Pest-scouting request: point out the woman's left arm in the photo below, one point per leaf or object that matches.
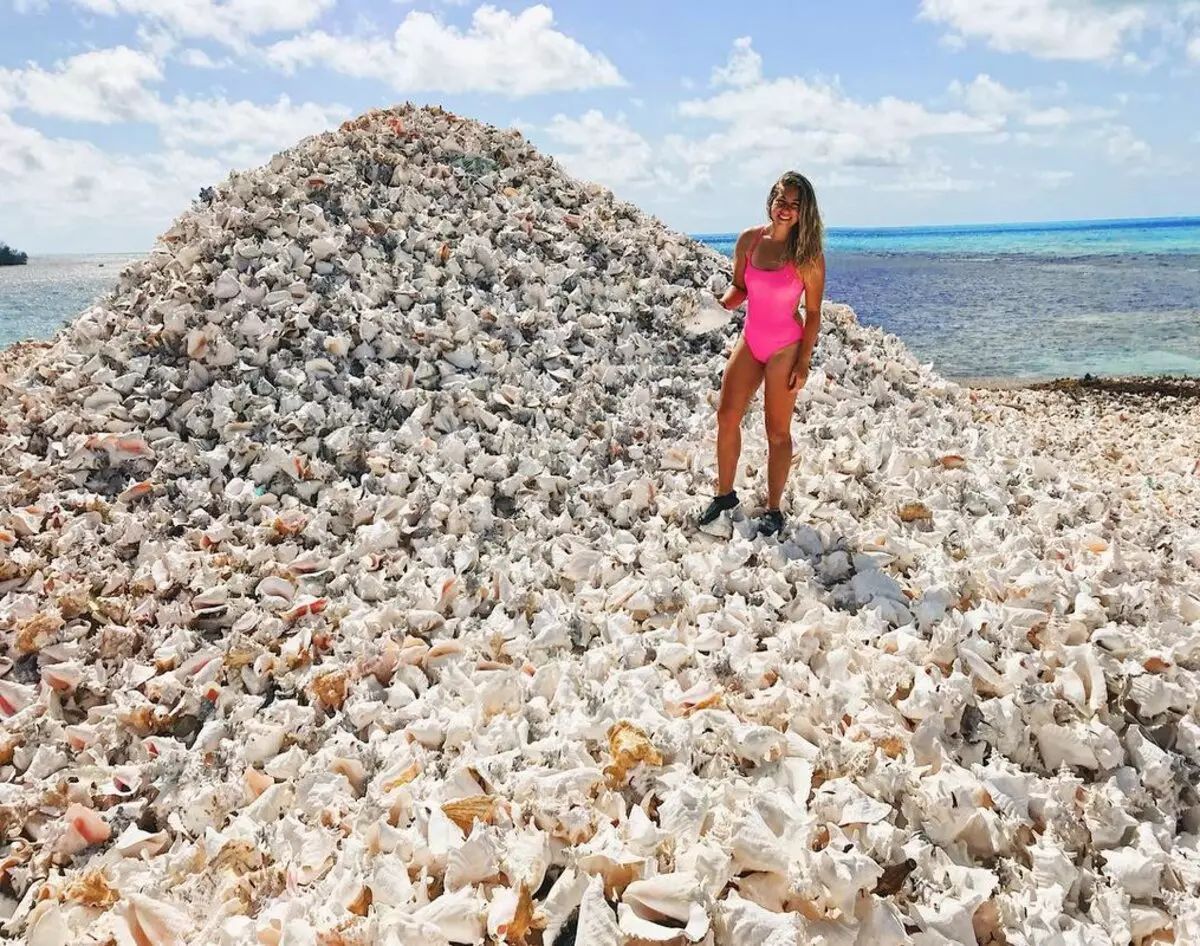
(814, 291)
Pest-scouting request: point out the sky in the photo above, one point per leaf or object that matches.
(114, 113)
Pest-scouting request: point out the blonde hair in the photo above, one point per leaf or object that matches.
(806, 240)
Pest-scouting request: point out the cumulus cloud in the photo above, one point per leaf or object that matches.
(218, 123)
(106, 86)
(199, 59)
(1124, 147)
(233, 22)
(767, 118)
(501, 52)
(609, 151)
(114, 85)
(988, 98)
(58, 191)
(1084, 30)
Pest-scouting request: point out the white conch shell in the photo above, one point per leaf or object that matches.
(646, 904)
(390, 884)
(1133, 871)
(134, 842)
(14, 697)
(882, 924)
(151, 922)
(608, 856)
(460, 915)
(682, 811)
(1052, 866)
(527, 855)
(564, 897)
(597, 925)
(474, 861)
(755, 847)
(741, 922)
(84, 827)
(47, 926)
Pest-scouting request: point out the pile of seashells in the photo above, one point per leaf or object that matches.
(349, 594)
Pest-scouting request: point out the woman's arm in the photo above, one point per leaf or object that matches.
(814, 291)
(735, 295)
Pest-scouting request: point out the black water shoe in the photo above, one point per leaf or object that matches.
(719, 505)
(771, 522)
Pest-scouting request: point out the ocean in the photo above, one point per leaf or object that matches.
(1007, 302)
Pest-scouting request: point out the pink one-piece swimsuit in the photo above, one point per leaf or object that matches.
(771, 299)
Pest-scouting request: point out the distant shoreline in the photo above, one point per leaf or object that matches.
(1184, 387)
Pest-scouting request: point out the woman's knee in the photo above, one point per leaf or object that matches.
(779, 435)
(730, 415)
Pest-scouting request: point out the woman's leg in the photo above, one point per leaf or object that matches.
(743, 375)
(779, 406)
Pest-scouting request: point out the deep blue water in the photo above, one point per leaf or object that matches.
(1003, 301)
(1027, 300)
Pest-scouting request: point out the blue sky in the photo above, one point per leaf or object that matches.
(113, 113)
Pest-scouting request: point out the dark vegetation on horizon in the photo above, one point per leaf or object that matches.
(11, 257)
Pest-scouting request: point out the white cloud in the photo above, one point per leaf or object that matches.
(199, 59)
(932, 178)
(1052, 179)
(1124, 147)
(596, 148)
(743, 68)
(232, 22)
(514, 55)
(57, 192)
(217, 123)
(110, 86)
(771, 120)
(988, 98)
(106, 86)
(610, 152)
(1193, 49)
(985, 96)
(31, 6)
(1047, 29)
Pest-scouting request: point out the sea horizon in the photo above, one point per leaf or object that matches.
(968, 226)
(1050, 222)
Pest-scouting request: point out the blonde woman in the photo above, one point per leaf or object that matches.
(774, 268)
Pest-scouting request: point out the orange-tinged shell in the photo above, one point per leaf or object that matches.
(629, 747)
(464, 812)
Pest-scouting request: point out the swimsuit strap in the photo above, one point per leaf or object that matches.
(758, 235)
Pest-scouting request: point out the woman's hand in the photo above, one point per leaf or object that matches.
(799, 376)
(731, 298)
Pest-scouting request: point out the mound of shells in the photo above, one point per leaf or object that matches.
(349, 594)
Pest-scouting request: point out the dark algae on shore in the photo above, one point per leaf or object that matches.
(1159, 387)
(11, 257)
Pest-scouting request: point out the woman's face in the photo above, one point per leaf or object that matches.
(785, 207)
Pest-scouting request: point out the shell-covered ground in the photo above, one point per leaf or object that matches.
(350, 593)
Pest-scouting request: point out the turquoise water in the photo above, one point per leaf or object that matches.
(40, 297)
(1027, 301)
(1018, 301)
(1168, 235)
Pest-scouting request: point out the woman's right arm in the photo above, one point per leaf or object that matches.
(735, 295)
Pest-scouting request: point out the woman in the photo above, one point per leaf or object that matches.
(773, 267)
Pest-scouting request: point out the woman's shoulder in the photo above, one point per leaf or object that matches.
(746, 237)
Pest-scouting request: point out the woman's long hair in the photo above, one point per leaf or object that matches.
(806, 239)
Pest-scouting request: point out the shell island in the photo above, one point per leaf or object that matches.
(12, 257)
(348, 594)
